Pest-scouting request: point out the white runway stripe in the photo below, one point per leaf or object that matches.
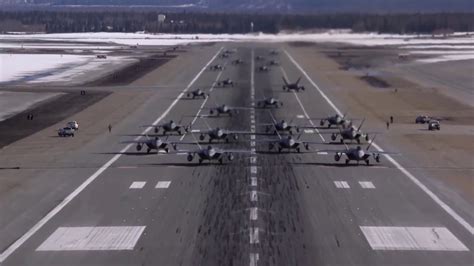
(163, 184)
(415, 180)
(254, 238)
(254, 257)
(341, 184)
(137, 185)
(253, 195)
(93, 238)
(253, 181)
(366, 184)
(411, 238)
(37, 226)
(253, 214)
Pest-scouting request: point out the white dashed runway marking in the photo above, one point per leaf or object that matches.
(253, 195)
(253, 170)
(254, 259)
(253, 181)
(137, 185)
(412, 238)
(341, 184)
(254, 239)
(163, 184)
(93, 238)
(253, 214)
(366, 184)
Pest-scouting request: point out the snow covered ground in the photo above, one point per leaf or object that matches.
(49, 67)
(370, 39)
(12, 103)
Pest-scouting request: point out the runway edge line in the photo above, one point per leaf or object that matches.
(410, 176)
(20, 241)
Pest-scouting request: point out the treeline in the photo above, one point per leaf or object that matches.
(198, 22)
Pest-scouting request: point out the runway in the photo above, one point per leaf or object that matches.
(123, 207)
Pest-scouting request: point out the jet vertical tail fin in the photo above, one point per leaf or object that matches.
(298, 81)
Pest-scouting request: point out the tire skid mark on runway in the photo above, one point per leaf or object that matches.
(410, 176)
(20, 241)
(253, 216)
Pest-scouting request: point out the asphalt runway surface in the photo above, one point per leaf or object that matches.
(263, 208)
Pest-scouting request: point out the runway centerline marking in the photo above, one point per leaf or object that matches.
(137, 185)
(20, 241)
(415, 180)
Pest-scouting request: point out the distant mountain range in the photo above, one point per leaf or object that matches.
(271, 5)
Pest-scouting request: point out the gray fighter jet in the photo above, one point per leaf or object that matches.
(216, 67)
(237, 61)
(282, 126)
(197, 93)
(351, 133)
(226, 82)
(336, 120)
(225, 109)
(357, 154)
(152, 144)
(288, 142)
(263, 68)
(170, 126)
(219, 134)
(211, 154)
(292, 86)
(269, 102)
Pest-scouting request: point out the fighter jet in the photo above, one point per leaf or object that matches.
(237, 61)
(225, 109)
(217, 67)
(197, 93)
(287, 142)
(263, 68)
(170, 126)
(225, 82)
(274, 63)
(219, 134)
(211, 154)
(269, 102)
(152, 144)
(259, 58)
(282, 126)
(351, 133)
(336, 120)
(292, 86)
(274, 52)
(357, 154)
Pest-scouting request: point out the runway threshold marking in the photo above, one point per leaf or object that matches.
(366, 184)
(163, 184)
(410, 176)
(412, 238)
(341, 184)
(137, 185)
(92, 238)
(15, 245)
